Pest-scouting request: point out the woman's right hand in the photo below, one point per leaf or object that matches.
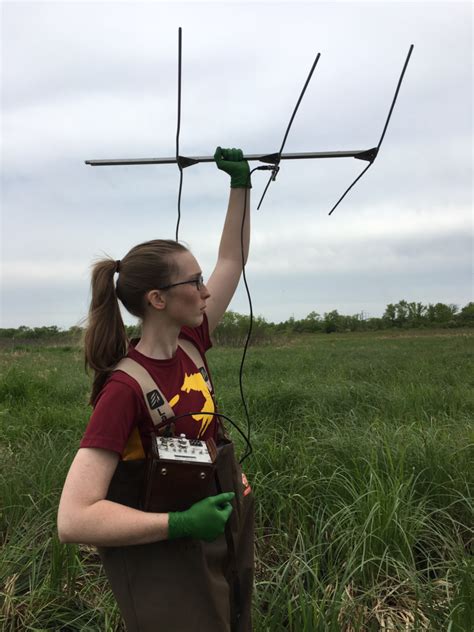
(232, 162)
(205, 520)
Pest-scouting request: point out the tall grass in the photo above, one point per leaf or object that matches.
(361, 466)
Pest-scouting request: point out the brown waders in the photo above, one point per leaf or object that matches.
(186, 585)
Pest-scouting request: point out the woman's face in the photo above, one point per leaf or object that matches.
(185, 303)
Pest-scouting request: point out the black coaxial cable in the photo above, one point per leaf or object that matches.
(168, 422)
(248, 450)
(177, 135)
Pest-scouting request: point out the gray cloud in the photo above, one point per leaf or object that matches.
(92, 80)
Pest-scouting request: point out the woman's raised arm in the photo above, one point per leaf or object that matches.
(225, 277)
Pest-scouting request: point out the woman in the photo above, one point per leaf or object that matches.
(178, 571)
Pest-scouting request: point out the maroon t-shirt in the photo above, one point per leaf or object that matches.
(120, 420)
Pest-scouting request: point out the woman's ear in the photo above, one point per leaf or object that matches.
(156, 299)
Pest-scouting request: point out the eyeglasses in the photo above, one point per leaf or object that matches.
(199, 283)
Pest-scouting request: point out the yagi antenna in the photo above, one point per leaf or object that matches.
(274, 159)
(368, 155)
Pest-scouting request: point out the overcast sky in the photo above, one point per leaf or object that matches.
(91, 80)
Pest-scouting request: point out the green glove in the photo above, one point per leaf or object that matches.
(205, 520)
(232, 162)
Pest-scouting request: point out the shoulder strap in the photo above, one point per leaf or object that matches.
(192, 352)
(156, 402)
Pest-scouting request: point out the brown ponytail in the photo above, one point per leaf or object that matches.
(147, 266)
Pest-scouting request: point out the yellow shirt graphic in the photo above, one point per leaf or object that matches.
(196, 382)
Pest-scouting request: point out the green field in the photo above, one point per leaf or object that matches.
(362, 467)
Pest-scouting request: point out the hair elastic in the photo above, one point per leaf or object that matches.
(117, 266)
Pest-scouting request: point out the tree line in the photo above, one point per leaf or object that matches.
(233, 328)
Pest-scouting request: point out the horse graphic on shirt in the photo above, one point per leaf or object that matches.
(196, 382)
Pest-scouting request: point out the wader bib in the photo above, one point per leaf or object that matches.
(186, 585)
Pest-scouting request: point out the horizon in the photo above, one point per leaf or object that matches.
(364, 316)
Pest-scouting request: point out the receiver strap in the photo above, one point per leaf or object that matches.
(157, 404)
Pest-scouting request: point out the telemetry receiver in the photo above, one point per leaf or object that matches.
(180, 472)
